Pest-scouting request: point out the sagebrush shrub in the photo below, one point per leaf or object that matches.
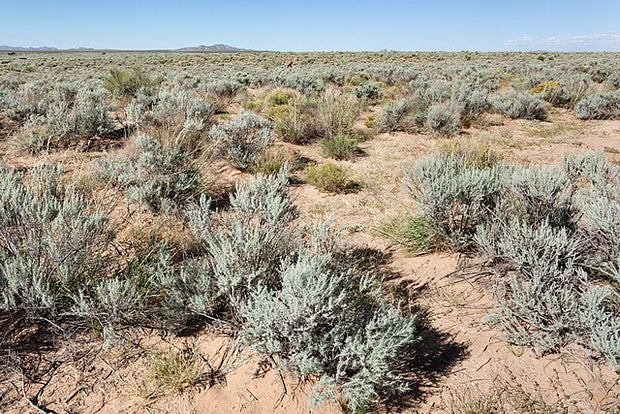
(520, 105)
(557, 230)
(548, 301)
(563, 95)
(32, 138)
(223, 91)
(243, 139)
(224, 88)
(592, 168)
(552, 230)
(395, 116)
(332, 324)
(52, 240)
(298, 80)
(153, 175)
(178, 107)
(425, 93)
(470, 102)
(368, 92)
(27, 99)
(599, 106)
(543, 194)
(443, 120)
(77, 113)
(292, 292)
(455, 195)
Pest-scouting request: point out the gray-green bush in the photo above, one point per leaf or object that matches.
(554, 231)
(368, 92)
(153, 175)
(599, 106)
(442, 119)
(243, 139)
(456, 195)
(52, 240)
(292, 293)
(77, 113)
(395, 116)
(520, 105)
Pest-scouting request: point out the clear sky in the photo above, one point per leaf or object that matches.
(484, 25)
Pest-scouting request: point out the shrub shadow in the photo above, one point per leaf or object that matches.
(423, 366)
(436, 353)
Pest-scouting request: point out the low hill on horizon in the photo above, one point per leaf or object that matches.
(218, 47)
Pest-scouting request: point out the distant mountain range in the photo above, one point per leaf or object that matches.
(40, 49)
(201, 48)
(214, 48)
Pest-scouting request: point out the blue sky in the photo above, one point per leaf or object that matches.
(315, 25)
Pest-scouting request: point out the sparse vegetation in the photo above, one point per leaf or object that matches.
(176, 221)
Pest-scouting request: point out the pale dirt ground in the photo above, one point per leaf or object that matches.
(460, 354)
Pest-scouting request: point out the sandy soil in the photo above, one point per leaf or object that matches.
(459, 354)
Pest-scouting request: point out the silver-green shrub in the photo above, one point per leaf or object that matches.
(368, 92)
(455, 195)
(547, 300)
(292, 292)
(111, 304)
(332, 325)
(543, 194)
(153, 175)
(552, 231)
(178, 107)
(51, 242)
(520, 105)
(470, 102)
(395, 116)
(78, 113)
(224, 88)
(591, 167)
(604, 105)
(443, 119)
(243, 139)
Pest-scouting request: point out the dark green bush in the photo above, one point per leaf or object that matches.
(330, 178)
(126, 83)
(339, 147)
